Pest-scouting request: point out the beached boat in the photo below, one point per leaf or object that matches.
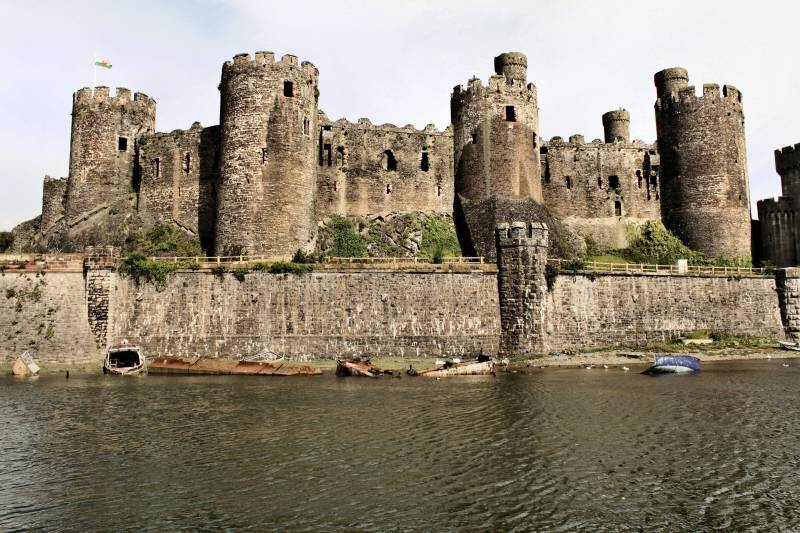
(358, 367)
(469, 368)
(124, 359)
(213, 366)
(793, 346)
(674, 364)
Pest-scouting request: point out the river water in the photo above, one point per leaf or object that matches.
(552, 450)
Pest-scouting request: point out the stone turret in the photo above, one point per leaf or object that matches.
(617, 126)
(704, 185)
(496, 143)
(268, 118)
(522, 286)
(105, 132)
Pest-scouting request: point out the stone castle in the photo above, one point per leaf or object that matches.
(276, 166)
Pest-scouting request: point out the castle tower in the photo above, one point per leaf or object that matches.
(787, 164)
(496, 146)
(617, 126)
(105, 132)
(268, 118)
(704, 186)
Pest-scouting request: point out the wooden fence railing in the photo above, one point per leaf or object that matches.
(592, 266)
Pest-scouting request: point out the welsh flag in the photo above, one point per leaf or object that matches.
(102, 63)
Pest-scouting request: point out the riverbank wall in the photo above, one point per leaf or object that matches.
(542, 312)
(519, 307)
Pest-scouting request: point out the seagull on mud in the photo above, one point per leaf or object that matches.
(785, 365)
(625, 368)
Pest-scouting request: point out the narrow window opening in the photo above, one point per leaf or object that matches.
(187, 163)
(122, 144)
(326, 128)
(438, 190)
(568, 181)
(474, 137)
(600, 181)
(306, 124)
(543, 150)
(334, 186)
(388, 188)
(613, 182)
(511, 115)
(264, 158)
(340, 155)
(327, 152)
(288, 88)
(424, 164)
(534, 139)
(617, 208)
(389, 162)
(639, 178)
(157, 167)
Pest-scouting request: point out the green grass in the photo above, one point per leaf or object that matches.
(607, 258)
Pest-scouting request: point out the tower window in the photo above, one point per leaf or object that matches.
(438, 190)
(639, 178)
(613, 182)
(306, 124)
(187, 163)
(389, 162)
(474, 137)
(122, 144)
(288, 88)
(157, 167)
(617, 208)
(334, 186)
(388, 188)
(600, 181)
(568, 181)
(327, 155)
(511, 115)
(424, 164)
(264, 157)
(543, 150)
(340, 155)
(534, 139)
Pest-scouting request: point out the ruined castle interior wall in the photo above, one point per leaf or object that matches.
(366, 169)
(268, 177)
(603, 309)
(105, 130)
(598, 188)
(179, 176)
(319, 315)
(704, 185)
(53, 197)
(46, 315)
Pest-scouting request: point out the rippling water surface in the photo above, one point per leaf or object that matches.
(557, 450)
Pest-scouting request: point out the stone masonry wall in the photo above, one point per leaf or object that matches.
(789, 293)
(45, 314)
(593, 311)
(318, 315)
(354, 177)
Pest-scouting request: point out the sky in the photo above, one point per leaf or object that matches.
(391, 61)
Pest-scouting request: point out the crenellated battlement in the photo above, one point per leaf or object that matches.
(686, 98)
(102, 95)
(787, 158)
(521, 234)
(244, 62)
(366, 124)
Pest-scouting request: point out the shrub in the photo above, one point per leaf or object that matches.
(739, 262)
(439, 239)
(11, 292)
(346, 242)
(655, 244)
(550, 275)
(302, 257)
(239, 273)
(288, 267)
(219, 271)
(166, 239)
(137, 266)
(234, 250)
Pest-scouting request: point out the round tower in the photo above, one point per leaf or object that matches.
(105, 132)
(617, 126)
(268, 118)
(496, 134)
(704, 185)
(787, 164)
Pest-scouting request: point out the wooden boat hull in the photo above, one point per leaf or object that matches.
(124, 359)
(674, 364)
(357, 369)
(793, 346)
(484, 368)
(227, 367)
